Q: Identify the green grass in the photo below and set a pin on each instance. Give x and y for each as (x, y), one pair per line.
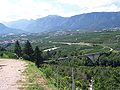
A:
(32, 72)
(7, 55)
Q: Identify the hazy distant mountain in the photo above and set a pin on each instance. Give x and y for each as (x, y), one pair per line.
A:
(20, 24)
(6, 30)
(49, 23)
(89, 21)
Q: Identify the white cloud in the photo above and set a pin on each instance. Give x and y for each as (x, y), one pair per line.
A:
(93, 5)
(32, 9)
(24, 9)
(88, 3)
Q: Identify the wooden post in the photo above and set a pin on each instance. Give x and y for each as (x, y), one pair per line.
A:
(73, 80)
(57, 78)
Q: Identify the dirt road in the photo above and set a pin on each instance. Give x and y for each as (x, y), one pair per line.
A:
(11, 73)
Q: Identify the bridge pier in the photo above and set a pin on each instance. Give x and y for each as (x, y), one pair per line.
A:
(93, 57)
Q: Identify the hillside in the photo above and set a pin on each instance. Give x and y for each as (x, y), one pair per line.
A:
(84, 60)
(6, 30)
(20, 24)
(89, 21)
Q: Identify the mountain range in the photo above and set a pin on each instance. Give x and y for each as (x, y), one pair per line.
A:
(6, 30)
(89, 22)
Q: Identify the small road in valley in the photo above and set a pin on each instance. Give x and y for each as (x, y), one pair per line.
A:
(68, 43)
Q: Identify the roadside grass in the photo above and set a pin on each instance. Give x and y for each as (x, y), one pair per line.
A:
(32, 74)
(49, 81)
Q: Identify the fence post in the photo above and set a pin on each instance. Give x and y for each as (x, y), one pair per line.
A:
(57, 78)
(73, 80)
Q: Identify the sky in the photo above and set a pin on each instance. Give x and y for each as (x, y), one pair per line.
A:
(11, 10)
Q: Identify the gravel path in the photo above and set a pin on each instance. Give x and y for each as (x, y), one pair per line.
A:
(11, 73)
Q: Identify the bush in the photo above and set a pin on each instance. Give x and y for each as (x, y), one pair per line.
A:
(47, 70)
(7, 55)
(26, 57)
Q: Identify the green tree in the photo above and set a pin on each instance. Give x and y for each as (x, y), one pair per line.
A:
(37, 56)
(17, 49)
(28, 51)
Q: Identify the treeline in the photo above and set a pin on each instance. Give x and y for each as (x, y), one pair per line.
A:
(107, 59)
(28, 53)
(2, 48)
(104, 72)
(4, 53)
(1, 51)
(104, 78)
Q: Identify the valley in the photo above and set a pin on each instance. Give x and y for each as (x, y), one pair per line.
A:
(86, 61)
(60, 45)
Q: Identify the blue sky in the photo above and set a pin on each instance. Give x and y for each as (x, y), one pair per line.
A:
(12, 10)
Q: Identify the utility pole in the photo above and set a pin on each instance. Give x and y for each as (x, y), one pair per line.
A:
(73, 80)
(91, 84)
(57, 78)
